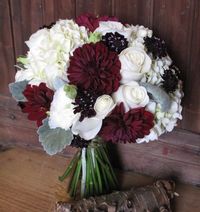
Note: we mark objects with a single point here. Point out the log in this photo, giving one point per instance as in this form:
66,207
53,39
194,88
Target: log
152,198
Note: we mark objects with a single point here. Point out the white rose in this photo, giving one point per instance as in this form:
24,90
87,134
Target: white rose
61,111
88,128
103,105
134,63
132,95
113,26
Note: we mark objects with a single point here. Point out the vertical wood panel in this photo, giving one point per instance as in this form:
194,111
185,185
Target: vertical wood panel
191,111
54,10
97,7
27,18
6,48
134,11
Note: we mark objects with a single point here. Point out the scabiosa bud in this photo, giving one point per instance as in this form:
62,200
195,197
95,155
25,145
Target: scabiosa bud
170,80
84,103
115,41
156,46
79,142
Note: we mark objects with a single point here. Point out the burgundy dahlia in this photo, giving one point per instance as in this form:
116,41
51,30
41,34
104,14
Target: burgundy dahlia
92,22
126,127
39,99
94,67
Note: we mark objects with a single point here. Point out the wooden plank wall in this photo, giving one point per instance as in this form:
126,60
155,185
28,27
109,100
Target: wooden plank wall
176,21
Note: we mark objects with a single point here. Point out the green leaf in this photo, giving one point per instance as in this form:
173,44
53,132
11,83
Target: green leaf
53,140
16,89
159,95
71,91
22,59
94,37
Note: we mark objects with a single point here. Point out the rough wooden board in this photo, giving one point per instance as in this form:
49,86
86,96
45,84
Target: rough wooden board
28,182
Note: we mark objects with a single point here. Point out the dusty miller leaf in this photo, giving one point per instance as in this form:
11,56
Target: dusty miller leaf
159,95
16,89
53,140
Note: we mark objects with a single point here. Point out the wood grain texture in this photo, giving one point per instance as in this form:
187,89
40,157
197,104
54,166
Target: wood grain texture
175,154
6,48
54,10
29,182
134,11
191,112
97,7
27,18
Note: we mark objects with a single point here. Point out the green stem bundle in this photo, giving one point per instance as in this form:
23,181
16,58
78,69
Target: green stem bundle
91,171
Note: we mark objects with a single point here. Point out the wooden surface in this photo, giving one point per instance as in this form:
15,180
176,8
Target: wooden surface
28,182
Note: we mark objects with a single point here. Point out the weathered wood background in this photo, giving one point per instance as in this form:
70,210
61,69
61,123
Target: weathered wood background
176,21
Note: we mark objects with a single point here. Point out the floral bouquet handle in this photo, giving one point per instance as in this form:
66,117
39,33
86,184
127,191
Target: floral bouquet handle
91,171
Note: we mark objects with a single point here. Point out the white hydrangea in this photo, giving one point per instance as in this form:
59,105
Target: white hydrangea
154,76
49,52
138,33
164,121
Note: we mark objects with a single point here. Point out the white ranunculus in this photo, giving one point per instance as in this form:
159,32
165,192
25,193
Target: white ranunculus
88,128
134,64
39,38
132,95
103,105
61,111
113,26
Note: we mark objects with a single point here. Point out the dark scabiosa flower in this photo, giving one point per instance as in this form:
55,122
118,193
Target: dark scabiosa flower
94,67
170,79
126,127
156,46
84,103
79,142
39,99
115,41
92,22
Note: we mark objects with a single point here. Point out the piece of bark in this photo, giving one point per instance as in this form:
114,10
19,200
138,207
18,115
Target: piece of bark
152,198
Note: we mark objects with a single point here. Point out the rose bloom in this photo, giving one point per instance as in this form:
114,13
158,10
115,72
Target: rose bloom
132,95
134,64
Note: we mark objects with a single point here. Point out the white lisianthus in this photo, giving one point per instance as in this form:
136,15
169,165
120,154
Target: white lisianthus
113,26
88,128
103,105
134,64
49,53
61,112
132,95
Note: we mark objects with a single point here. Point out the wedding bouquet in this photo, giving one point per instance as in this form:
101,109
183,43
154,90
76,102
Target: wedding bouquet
94,80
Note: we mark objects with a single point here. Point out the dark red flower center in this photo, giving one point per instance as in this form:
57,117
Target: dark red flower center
94,67
126,127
